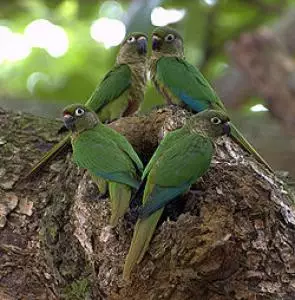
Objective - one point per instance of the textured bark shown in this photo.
(231, 237)
(262, 65)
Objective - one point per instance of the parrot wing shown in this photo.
(179, 167)
(124, 145)
(170, 139)
(103, 158)
(186, 83)
(113, 85)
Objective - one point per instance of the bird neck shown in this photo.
(130, 60)
(138, 79)
(198, 128)
(157, 55)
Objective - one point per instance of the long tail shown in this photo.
(50, 155)
(143, 233)
(120, 195)
(241, 140)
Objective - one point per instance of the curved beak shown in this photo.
(69, 121)
(226, 128)
(142, 45)
(156, 43)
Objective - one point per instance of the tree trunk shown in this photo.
(230, 237)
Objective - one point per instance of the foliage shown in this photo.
(72, 77)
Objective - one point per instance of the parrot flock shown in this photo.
(182, 157)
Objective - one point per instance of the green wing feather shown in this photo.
(124, 145)
(104, 158)
(171, 138)
(182, 78)
(179, 167)
(114, 84)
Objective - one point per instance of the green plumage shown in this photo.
(183, 84)
(105, 154)
(120, 93)
(181, 159)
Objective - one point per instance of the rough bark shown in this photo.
(262, 65)
(231, 237)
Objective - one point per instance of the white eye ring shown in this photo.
(169, 37)
(131, 40)
(215, 121)
(79, 112)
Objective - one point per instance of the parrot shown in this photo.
(119, 94)
(105, 154)
(182, 157)
(180, 83)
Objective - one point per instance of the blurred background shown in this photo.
(54, 52)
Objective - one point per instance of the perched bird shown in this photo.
(183, 156)
(183, 84)
(119, 93)
(104, 153)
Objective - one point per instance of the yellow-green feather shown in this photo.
(142, 235)
(120, 195)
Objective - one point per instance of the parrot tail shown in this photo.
(241, 140)
(120, 195)
(50, 155)
(143, 233)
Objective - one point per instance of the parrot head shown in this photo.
(78, 117)
(133, 49)
(167, 41)
(212, 123)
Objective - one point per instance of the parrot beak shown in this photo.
(156, 43)
(226, 128)
(142, 45)
(69, 121)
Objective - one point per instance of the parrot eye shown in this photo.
(215, 120)
(79, 112)
(170, 37)
(131, 40)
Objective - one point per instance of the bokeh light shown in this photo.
(43, 34)
(14, 46)
(110, 32)
(210, 2)
(111, 9)
(34, 79)
(258, 107)
(162, 17)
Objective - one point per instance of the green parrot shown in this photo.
(183, 156)
(105, 154)
(183, 84)
(119, 94)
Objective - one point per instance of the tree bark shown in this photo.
(232, 236)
